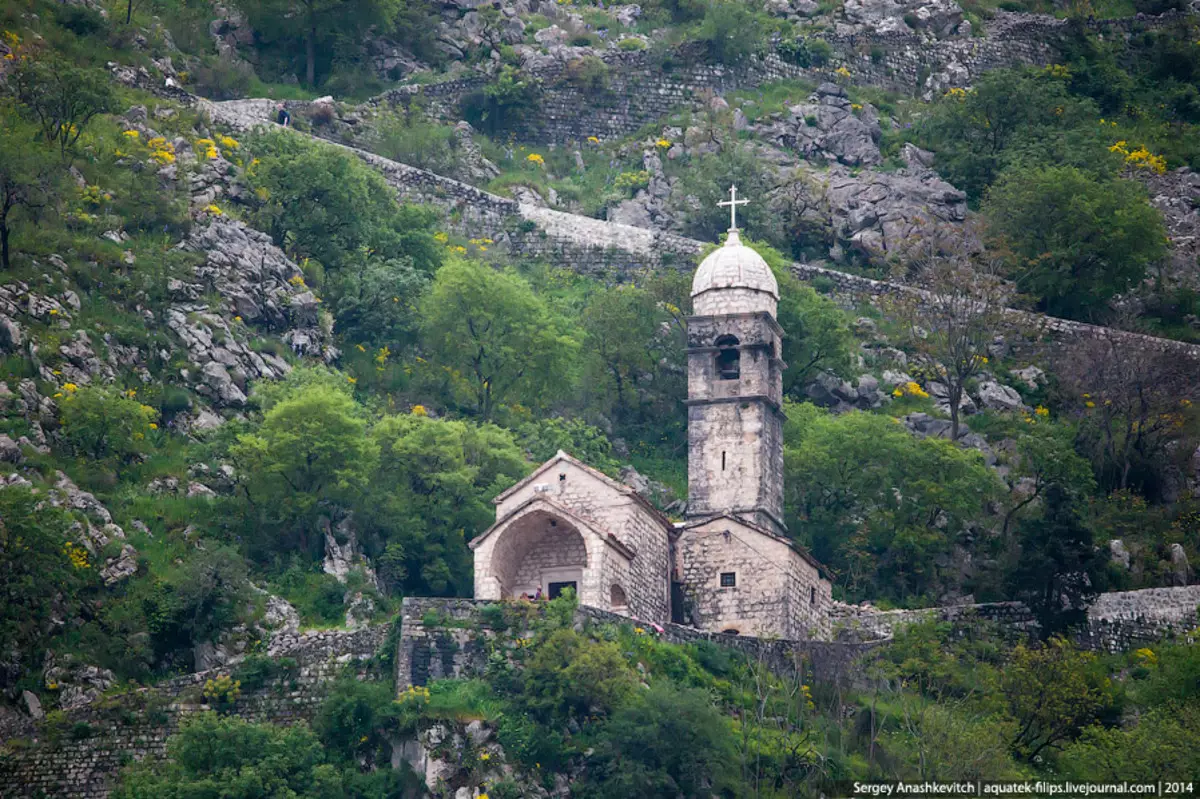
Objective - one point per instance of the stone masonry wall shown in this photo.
(1116, 622)
(644, 87)
(100, 739)
(456, 642)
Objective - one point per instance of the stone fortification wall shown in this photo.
(596, 247)
(82, 758)
(1116, 622)
(443, 638)
(644, 87)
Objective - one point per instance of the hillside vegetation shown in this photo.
(245, 389)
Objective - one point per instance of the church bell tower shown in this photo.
(735, 387)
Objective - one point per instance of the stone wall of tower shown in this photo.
(735, 429)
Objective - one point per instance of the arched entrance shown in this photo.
(539, 550)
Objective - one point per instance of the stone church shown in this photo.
(730, 567)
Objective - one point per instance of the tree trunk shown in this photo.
(954, 394)
(128, 11)
(4, 243)
(310, 54)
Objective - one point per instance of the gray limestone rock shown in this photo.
(1031, 376)
(10, 451)
(1180, 569)
(997, 397)
(120, 567)
(11, 336)
(1118, 553)
(827, 128)
(33, 705)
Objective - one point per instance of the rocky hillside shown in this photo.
(256, 381)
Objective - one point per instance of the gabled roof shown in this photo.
(562, 511)
(792, 545)
(615, 485)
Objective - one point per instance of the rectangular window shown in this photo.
(722, 460)
(728, 579)
(812, 595)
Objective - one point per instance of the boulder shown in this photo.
(997, 397)
(827, 129)
(1031, 376)
(33, 705)
(1118, 553)
(1180, 569)
(10, 451)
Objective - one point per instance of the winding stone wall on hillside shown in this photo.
(644, 87)
(97, 741)
(1116, 622)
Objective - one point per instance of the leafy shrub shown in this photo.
(105, 424)
(1075, 241)
(589, 74)
(730, 31)
(631, 44)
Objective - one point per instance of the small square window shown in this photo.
(562, 477)
(728, 579)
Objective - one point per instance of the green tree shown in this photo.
(622, 325)
(499, 341)
(193, 602)
(669, 741)
(1053, 692)
(1161, 742)
(311, 449)
(433, 488)
(570, 675)
(321, 24)
(877, 504)
(374, 301)
(706, 182)
(1011, 115)
(61, 97)
(28, 177)
(322, 202)
(225, 756)
(104, 423)
(731, 31)
(40, 567)
(1073, 241)
(1059, 571)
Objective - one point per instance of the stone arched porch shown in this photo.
(544, 545)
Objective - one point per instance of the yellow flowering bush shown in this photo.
(910, 389)
(130, 134)
(441, 237)
(206, 148)
(1145, 657)
(213, 209)
(1141, 158)
(842, 72)
(224, 690)
(536, 158)
(662, 144)
(593, 140)
(419, 410)
(227, 142)
(77, 555)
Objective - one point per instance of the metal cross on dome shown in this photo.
(733, 202)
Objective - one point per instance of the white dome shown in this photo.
(734, 266)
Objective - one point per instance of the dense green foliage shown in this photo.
(451, 367)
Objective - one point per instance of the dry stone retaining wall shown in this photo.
(644, 87)
(98, 741)
(1116, 622)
